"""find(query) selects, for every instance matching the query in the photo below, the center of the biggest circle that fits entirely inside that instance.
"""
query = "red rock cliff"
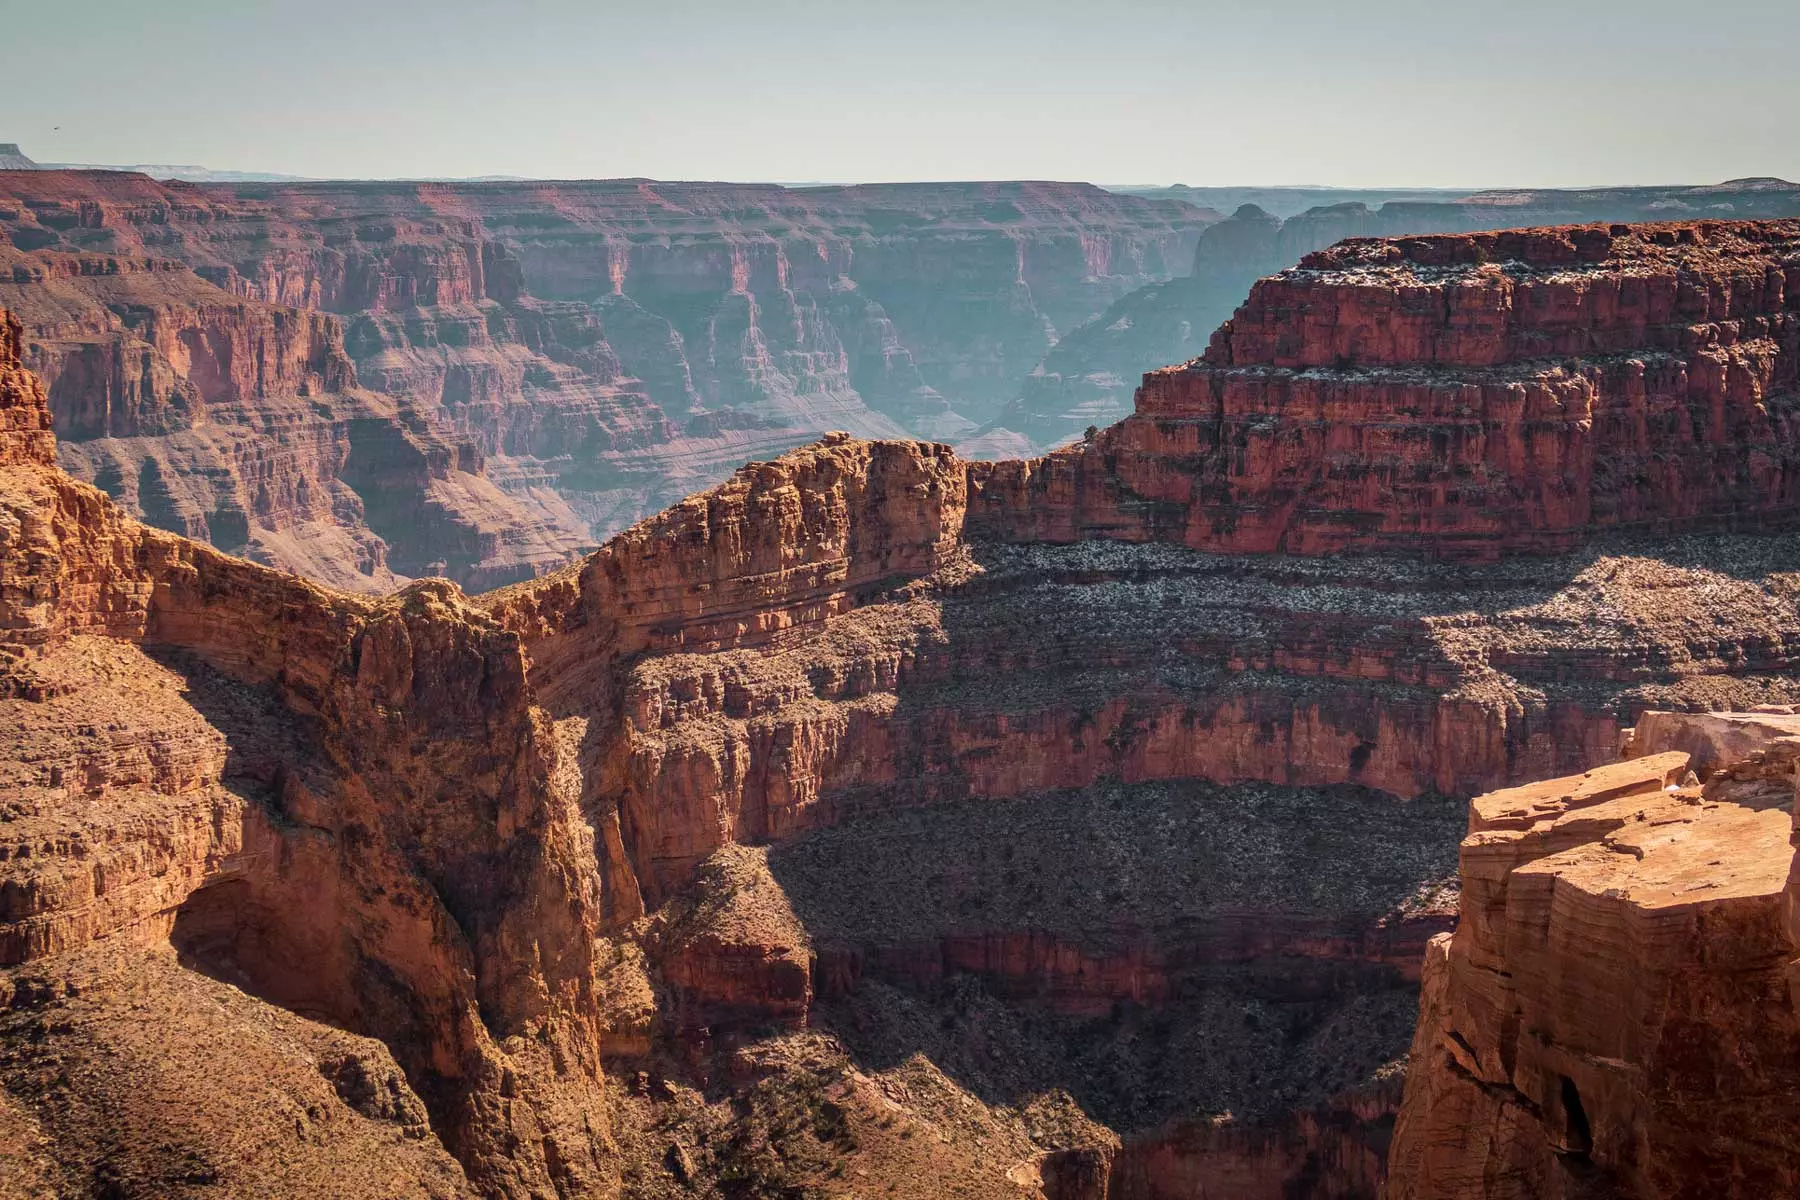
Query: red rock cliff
(984, 696)
(864, 572)
(241, 423)
(587, 352)
(350, 809)
(853, 631)
(1614, 1014)
(1463, 395)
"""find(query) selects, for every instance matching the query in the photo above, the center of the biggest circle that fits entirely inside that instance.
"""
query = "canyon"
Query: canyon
(368, 382)
(882, 820)
(1089, 375)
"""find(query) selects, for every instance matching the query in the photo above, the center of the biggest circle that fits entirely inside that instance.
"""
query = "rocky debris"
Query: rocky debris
(731, 950)
(1136, 948)
(134, 1066)
(1613, 1012)
(1084, 898)
(802, 1117)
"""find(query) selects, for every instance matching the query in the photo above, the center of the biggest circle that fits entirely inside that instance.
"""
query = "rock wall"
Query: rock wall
(964, 704)
(351, 809)
(242, 424)
(854, 624)
(1464, 396)
(854, 630)
(567, 358)
(1613, 1015)
(1090, 374)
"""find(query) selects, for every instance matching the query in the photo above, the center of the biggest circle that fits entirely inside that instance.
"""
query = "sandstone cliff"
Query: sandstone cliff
(1034, 810)
(1613, 1015)
(1460, 396)
(525, 369)
(1090, 374)
(348, 809)
(242, 424)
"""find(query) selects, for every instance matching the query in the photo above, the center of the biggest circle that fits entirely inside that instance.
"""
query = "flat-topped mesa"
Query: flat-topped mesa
(1614, 1014)
(1460, 395)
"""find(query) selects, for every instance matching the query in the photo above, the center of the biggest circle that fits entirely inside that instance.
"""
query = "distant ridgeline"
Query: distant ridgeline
(1089, 376)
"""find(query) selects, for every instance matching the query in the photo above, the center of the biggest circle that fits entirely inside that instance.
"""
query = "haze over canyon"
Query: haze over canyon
(627, 688)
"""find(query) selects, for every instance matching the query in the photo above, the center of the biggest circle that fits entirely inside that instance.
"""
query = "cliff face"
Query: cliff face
(242, 424)
(531, 367)
(348, 809)
(1613, 1015)
(868, 629)
(1009, 644)
(1031, 809)
(1459, 395)
(1089, 376)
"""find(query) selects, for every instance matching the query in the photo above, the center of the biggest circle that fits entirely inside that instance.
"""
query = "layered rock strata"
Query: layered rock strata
(350, 810)
(1103, 758)
(1613, 1015)
(1462, 396)
(1090, 374)
(243, 424)
(522, 370)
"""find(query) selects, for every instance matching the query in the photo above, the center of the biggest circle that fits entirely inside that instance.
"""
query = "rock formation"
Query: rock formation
(1072, 827)
(1088, 377)
(242, 424)
(521, 370)
(854, 628)
(348, 809)
(1614, 1015)
(1461, 395)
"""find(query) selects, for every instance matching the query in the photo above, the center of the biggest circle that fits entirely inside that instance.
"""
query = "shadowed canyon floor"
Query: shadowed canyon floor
(880, 822)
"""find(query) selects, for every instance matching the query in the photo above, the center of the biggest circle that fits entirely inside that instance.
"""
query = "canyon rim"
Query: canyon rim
(882, 819)
(701, 601)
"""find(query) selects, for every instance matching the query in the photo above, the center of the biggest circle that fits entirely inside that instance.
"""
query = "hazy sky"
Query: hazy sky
(1377, 92)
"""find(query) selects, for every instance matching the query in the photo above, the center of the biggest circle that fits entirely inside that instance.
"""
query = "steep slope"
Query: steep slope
(896, 823)
(533, 366)
(348, 809)
(1089, 375)
(1459, 395)
(858, 629)
(243, 424)
(1614, 1015)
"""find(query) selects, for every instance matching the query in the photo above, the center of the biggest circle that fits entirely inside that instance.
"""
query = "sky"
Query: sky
(1376, 93)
